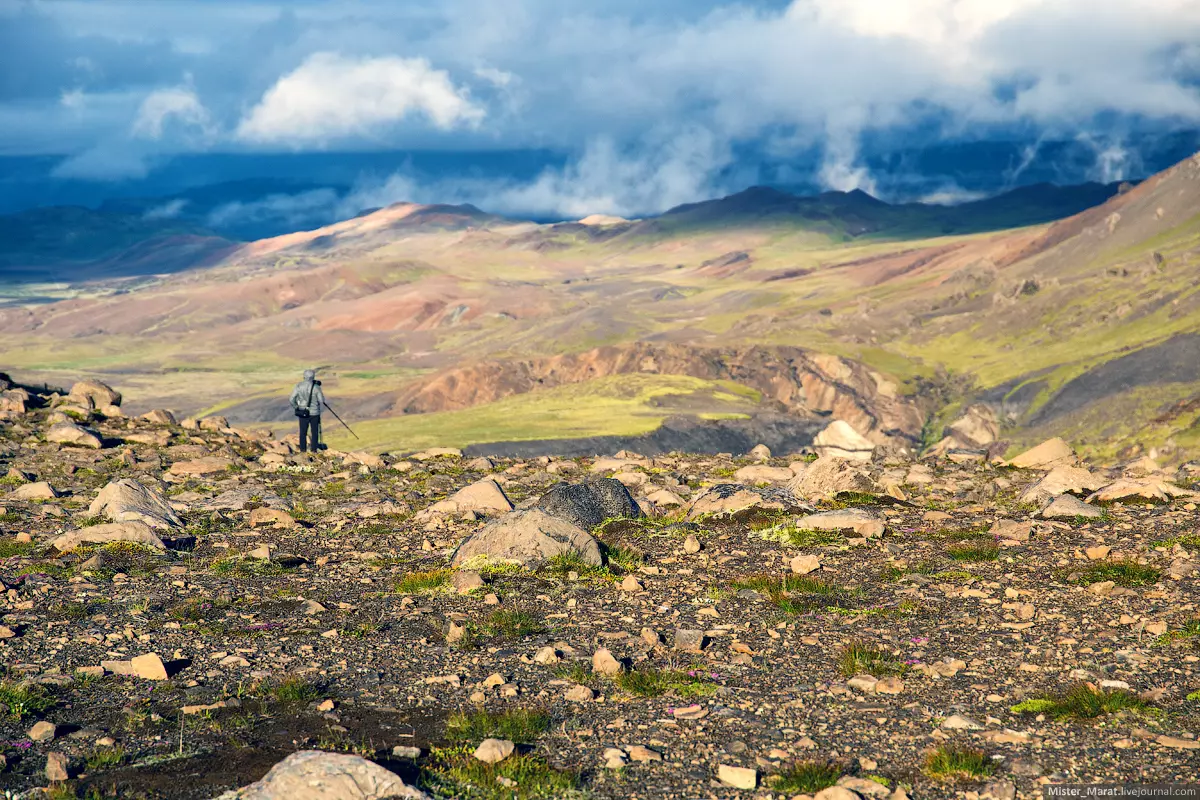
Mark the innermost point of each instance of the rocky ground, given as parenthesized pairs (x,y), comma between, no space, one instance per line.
(185,605)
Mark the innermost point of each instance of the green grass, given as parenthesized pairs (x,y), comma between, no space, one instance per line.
(1128,574)
(565,563)
(618,405)
(511,625)
(1188,540)
(520,725)
(423,582)
(950,762)
(626,558)
(1194,697)
(806,777)
(241,567)
(10,547)
(1082,702)
(24,699)
(455,772)
(1190,630)
(294,689)
(787,533)
(797,594)
(858,658)
(105,758)
(649,682)
(973,552)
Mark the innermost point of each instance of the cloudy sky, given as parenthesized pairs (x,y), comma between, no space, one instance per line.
(651,100)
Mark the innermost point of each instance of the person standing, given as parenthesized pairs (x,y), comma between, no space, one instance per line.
(307,400)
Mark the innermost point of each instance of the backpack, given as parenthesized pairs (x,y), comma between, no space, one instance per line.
(303,413)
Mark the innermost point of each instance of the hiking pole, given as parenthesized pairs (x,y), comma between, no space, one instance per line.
(339,419)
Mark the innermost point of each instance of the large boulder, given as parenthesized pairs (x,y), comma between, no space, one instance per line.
(529,538)
(828,476)
(70,433)
(586,505)
(34,491)
(93,394)
(126,500)
(485,495)
(1046,455)
(317,775)
(1062,479)
(1068,506)
(137,532)
(840,440)
(725,499)
(160,416)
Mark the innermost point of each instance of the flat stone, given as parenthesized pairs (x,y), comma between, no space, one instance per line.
(864,523)
(57,767)
(604,663)
(737,777)
(687,640)
(579,694)
(149,667)
(492,751)
(41,490)
(136,532)
(43,731)
(802,565)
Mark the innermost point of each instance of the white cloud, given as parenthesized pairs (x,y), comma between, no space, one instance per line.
(168,210)
(162,106)
(314,207)
(331,97)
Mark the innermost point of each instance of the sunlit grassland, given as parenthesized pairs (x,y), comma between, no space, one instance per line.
(619,405)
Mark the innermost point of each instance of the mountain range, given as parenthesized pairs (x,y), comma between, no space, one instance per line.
(1068,310)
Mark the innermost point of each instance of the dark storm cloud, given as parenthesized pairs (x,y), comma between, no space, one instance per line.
(655,98)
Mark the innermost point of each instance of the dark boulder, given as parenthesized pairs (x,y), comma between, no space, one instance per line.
(589,504)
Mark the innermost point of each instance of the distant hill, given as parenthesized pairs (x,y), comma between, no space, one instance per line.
(69,243)
(857,213)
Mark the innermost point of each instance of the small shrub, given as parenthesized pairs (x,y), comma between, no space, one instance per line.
(1084,701)
(646,682)
(10,547)
(949,761)
(857,658)
(521,725)
(295,689)
(807,777)
(105,758)
(455,772)
(512,625)
(626,558)
(24,699)
(423,582)
(1128,574)
(974,551)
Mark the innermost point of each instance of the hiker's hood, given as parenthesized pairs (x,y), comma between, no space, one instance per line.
(310,374)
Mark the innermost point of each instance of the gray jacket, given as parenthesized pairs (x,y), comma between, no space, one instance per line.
(301,394)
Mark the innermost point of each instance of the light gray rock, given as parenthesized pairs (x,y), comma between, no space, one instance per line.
(70,433)
(1068,506)
(126,500)
(528,537)
(138,532)
(863,523)
(33,491)
(314,775)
